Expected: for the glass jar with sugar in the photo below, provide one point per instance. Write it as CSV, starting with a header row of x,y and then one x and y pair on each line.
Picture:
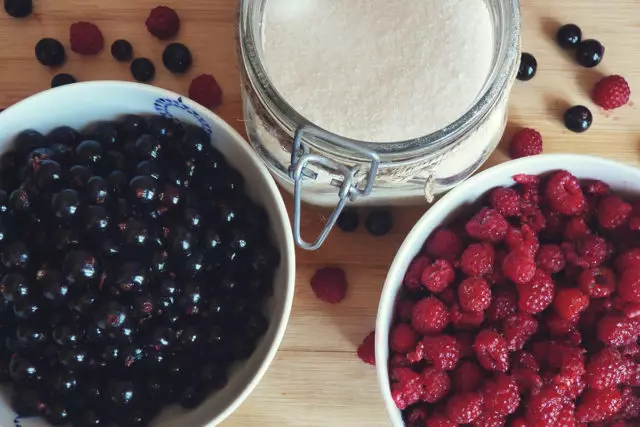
x,y
375,102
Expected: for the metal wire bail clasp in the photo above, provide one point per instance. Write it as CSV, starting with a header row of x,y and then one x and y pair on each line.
x,y
349,188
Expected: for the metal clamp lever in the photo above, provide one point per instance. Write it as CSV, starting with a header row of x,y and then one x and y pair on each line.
x,y
349,188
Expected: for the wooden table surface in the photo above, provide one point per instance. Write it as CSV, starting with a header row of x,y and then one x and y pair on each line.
x,y
316,379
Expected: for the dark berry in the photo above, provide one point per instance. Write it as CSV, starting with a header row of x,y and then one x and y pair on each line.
x,y
68,334
96,219
348,221
18,8
48,176
28,141
528,67
122,50
64,135
62,79
24,370
90,418
79,176
15,287
143,189
131,278
578,118
97,190
15,255
19,202
148,148
50,52
31,334
107,134
117,182
196,142
143,70
56,413
89,153
589,53
65,204
569,36
133,126
177,58
26,402
379,222
80,267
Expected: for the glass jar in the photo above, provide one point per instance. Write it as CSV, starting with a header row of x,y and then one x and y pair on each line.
x,y
322,168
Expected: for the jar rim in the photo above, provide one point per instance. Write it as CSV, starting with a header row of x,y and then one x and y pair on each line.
x,y
500,78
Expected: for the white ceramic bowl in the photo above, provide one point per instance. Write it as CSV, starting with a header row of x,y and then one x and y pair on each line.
x,y
82,103
622,178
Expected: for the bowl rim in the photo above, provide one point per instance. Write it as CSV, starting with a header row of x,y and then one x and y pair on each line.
x,y
442,206
288,255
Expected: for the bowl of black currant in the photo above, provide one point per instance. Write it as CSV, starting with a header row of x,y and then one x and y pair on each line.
x,y
146,261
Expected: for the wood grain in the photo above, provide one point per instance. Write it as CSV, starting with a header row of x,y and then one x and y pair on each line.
x,y
316,380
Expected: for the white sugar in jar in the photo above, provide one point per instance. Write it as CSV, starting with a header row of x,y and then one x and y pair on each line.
x,y
375,101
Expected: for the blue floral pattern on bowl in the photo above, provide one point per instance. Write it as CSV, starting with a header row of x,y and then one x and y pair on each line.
x,y
164,107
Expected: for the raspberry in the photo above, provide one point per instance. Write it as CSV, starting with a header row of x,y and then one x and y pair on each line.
x,y
537,294
465,320
163,22
439,420
403,339
463,408
404,309
503,304
550,258
529,187
506,201
488,419
533,217
567,417
598,282
525,240
519,267
474,294
597,405
413,275
527,142
501,395
517,329
632,373
570,302
519,422
632,349
444,244
487,225
436,385
630,407
630,310
398,361
448,296
438,276
596,188
429,316
329,284
367,349
564,194
570,385
555,224
605,369
416,416
611,92
467,376
442,351
408,388
491,349
527,380
559,327
576,227
86,38
586,251
544,407
524,359
613,212
616,331
206,91
465,342
627,260
629,285
477,259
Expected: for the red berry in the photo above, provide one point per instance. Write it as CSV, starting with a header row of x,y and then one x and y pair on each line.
x,y
630,408
86,38
206,91
501,395
408,388
613,212
416,416
528,380
576,227
477,259
629,285
524,359
504,303
522,239
559,327
489,419
533,217
465,320
465,342
404,310
467,376
442,351
564,194
413,275
616,331
487,225
627,260
329,284
367,349
586,251
544,407
517,329
506,201
605,369
439,420
550,258
403,339
537,294
474,294
492,352
463,408
436,385
611,92
527,142
438,276
598,282
519,267
567,417
570,302
598,405
163,22
429,316
444,244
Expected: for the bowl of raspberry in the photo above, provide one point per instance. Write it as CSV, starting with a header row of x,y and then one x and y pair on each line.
x,y
146,261
515,301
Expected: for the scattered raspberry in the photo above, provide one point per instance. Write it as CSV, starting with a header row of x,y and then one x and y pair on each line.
x,y
163,22
613,212
444,244
629,285
436,385
491,349
467,376
517,329
501,395
559,327
564,194
519,267
597,405
506,201
524,359
611,92
474,294
599,282
528,380
627,260
205,90
463,408
442,351
487,225
576,227
570,302
567,417
429,316
488,419
403,339
408,389
465,320
527,142
329,284
404,310
586,251
439,420
544,407
504,303
367,349
416,416
616,331
413,275
537,294
86,38
550,258
438,276
477,259
606,369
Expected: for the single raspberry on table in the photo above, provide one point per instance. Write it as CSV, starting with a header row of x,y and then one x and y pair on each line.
x,y
489,419
477,259
86,38
429,316
463,408
527,142
629,285
519,267
474,294
528,380
564,194
627,260
550,258
487,225
468,376
416,416
570,302
465,320
442,351
404,310
605,369
163,22
517,329
436,385
598,282
440,420
613,212
544,407
501,395
403,339
503,304
444,244
367,349
330,284
506,201
616,330
537,294
598,405
586,251
611,92
413,275
438,276
575,228
559,327
491,349
206,91
408,388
